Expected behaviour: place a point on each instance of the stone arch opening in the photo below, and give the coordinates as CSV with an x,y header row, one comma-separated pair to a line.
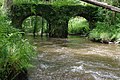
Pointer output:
x,y
35,24
78,26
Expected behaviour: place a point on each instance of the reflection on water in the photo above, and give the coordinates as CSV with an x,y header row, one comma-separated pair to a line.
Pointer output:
x,y
75,58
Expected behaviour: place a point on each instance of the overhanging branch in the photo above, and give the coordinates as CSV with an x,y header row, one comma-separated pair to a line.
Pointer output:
x,y
102,4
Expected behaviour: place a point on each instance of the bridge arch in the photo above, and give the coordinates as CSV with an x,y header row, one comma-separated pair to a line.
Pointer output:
x,y
57,17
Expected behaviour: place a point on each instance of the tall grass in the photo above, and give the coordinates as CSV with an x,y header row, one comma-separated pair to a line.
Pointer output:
x,y
15,53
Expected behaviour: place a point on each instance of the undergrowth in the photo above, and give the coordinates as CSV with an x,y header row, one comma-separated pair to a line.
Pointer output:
x,y
15,53
78,25
107,28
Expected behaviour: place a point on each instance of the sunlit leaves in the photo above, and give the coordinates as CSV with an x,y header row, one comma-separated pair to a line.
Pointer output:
x,y
78,25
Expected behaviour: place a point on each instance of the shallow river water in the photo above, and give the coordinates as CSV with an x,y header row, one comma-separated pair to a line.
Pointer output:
x,y
75,58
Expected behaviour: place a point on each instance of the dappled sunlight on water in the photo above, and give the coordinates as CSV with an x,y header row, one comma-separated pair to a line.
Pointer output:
x,y
75,59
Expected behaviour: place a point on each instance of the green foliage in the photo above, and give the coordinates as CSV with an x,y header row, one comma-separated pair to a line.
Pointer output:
x,y
56,2
0,4
29,23
52,2
1,1
104,32
15,53
65,2
69,2
26,1
78,25
108,27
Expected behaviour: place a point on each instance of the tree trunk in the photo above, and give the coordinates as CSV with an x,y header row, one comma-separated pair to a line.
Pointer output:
x,y
104,5
7,5
42,28
35,26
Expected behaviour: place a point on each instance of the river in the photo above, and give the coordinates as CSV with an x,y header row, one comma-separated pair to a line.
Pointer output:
x,y
74,58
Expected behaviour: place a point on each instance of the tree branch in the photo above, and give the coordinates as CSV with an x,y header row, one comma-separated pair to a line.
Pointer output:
x,y
102,4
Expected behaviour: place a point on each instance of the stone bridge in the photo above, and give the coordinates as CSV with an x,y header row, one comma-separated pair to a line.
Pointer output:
x,y
57,17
